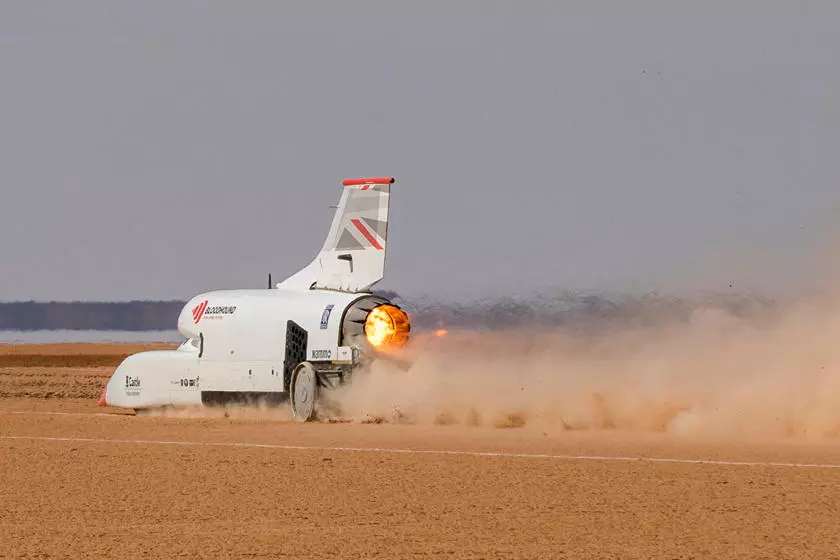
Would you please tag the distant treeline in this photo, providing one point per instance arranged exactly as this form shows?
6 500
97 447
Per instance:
581 311
90 315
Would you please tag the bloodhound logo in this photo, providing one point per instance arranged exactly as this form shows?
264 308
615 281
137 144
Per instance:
201 311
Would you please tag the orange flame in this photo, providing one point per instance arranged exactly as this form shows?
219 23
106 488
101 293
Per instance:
387 325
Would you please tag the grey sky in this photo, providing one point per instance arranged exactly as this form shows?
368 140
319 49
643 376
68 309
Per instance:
158 149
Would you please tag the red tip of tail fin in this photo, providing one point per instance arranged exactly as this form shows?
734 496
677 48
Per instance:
368 181
102 401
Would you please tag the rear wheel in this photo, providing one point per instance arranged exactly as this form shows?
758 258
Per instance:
303 392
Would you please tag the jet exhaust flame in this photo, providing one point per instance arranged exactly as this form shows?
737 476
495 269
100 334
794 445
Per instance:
387 325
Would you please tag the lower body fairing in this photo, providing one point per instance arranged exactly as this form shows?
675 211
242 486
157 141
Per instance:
154 379
175 378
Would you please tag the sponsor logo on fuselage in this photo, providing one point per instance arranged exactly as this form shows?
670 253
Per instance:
132 386
185 383
325 316
204 311
321 354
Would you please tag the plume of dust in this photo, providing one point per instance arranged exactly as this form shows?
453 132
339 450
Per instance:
714 374
233 411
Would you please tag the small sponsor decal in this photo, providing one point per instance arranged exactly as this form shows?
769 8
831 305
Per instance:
325 316
132 386
321 354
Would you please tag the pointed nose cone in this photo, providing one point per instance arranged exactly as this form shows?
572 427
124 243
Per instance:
102 400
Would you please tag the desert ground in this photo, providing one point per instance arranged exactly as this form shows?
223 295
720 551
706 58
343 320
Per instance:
81 481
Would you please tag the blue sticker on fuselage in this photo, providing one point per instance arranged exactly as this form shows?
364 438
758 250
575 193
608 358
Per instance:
325 316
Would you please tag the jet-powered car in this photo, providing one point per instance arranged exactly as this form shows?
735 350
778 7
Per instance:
290 342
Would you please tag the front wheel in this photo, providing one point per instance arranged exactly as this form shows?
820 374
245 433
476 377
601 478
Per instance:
303 392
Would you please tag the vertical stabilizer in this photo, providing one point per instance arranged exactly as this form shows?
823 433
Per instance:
353 256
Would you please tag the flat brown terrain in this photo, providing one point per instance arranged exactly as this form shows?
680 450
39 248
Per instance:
77 480
64 355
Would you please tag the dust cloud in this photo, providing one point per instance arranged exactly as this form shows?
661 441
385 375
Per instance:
233 412
711 372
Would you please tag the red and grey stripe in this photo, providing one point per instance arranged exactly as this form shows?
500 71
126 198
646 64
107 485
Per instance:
198 311
366 233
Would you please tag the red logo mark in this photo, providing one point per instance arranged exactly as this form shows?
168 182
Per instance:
198 311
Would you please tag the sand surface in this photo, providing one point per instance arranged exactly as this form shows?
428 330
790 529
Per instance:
78 480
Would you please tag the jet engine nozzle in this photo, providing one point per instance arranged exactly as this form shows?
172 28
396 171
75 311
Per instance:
376 321
387 326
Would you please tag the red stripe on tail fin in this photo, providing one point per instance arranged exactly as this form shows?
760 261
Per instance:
364 231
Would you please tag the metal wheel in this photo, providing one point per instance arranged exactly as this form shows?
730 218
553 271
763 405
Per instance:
303 392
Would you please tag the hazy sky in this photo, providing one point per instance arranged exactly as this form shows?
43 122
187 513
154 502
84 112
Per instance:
159 149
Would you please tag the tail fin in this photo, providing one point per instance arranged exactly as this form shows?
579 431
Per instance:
353 256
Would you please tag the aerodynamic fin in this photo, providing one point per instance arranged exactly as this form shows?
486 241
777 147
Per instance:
353 256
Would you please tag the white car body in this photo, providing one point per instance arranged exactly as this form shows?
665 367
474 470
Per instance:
249 342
